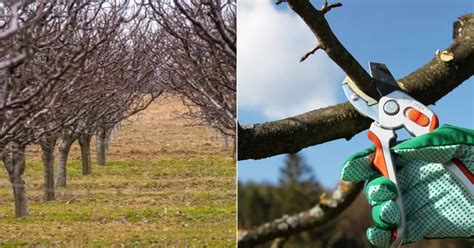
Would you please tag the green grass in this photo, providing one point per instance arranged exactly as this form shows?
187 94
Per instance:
132 203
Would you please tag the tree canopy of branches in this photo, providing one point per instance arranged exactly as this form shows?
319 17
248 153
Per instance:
73 69
198 56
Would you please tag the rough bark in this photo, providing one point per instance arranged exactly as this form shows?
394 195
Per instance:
2 149
64 148
14 161
327 209
102 145
290 135
225 140
47 146
85 144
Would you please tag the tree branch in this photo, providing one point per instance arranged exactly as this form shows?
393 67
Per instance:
332 46
327 7
279 242
327 209
427 84
312 51
13 22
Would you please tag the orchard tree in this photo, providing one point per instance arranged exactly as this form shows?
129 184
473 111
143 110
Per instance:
290 135
73 69
196 56
28 85
51 85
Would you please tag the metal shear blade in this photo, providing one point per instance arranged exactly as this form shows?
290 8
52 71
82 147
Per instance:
371 111
385 82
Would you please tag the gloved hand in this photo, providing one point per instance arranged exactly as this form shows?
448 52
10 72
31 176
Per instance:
436 204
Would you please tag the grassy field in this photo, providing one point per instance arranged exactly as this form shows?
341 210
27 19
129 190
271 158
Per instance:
167 183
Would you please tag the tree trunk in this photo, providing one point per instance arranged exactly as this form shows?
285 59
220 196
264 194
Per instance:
225 139
209 130
47 146
14 161
2 149
85 143
102 145
64 148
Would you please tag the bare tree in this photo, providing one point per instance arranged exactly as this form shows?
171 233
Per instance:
292 134
51 84
197 56
73 69
128 85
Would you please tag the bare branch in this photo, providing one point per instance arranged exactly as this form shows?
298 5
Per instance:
312 51
318 24
13 23
327 209
12 62
327 7
197 55
292 134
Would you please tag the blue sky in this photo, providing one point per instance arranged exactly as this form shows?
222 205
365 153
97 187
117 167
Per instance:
272 84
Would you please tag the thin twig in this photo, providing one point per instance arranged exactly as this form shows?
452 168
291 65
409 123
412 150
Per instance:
71 200
13 23
312 51
327 7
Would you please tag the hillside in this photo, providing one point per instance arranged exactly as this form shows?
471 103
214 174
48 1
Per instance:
168 181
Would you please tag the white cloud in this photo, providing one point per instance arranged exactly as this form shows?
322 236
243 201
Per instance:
270 78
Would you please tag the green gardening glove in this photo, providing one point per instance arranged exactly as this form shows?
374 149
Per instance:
436 204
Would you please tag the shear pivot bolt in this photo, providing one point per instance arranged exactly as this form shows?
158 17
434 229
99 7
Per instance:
391 107
354 97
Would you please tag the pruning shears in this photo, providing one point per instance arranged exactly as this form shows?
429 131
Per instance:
396 110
